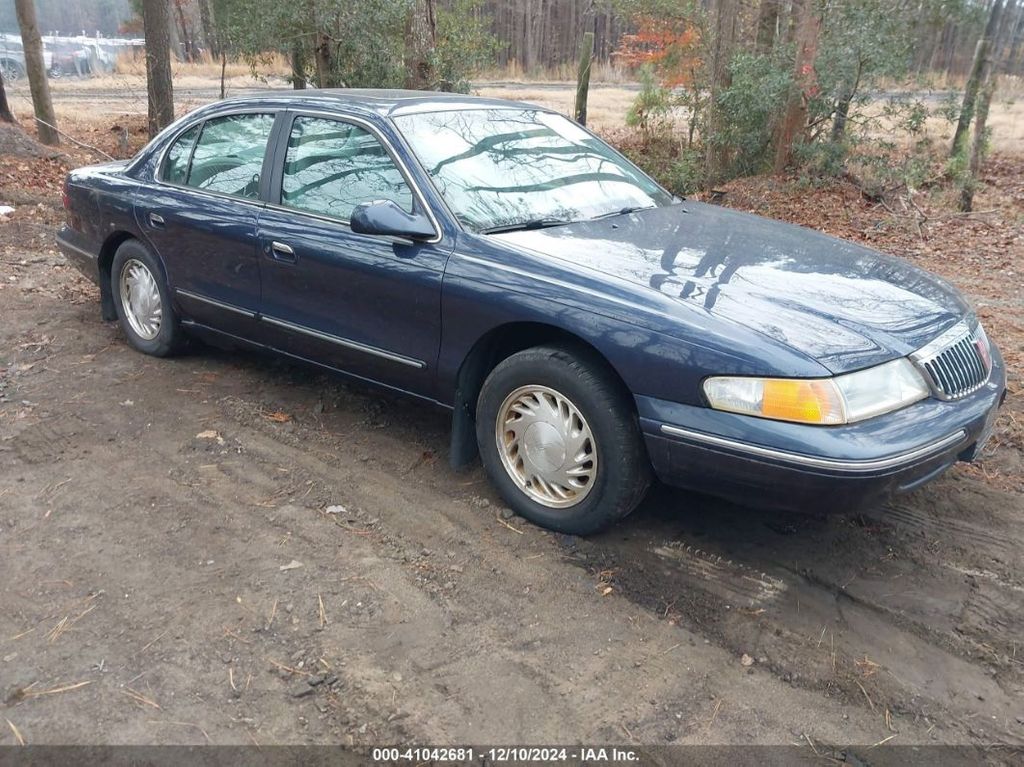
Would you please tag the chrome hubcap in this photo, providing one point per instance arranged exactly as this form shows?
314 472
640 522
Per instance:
140 298
546 446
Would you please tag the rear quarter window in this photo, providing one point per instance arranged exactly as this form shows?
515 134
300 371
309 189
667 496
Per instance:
175 169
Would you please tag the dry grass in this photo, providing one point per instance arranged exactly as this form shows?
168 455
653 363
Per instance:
124 93
273 64
600 72
1005 122
606 107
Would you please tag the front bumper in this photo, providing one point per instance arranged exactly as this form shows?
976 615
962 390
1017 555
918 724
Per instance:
758 462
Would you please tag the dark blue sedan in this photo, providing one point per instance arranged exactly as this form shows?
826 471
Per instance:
588 330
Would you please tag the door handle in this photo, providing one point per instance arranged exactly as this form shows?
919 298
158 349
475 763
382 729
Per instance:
281 252
156 220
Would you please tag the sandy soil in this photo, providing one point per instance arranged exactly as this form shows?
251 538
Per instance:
224 548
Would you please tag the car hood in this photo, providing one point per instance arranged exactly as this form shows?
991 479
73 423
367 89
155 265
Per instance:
841 304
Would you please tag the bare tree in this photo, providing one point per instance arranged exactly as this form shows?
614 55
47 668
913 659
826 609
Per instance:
5 108
156 24
979 71
35 66
807 30
420 38
986 90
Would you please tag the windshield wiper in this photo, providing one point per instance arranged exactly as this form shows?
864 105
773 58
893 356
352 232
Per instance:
623 211
533 223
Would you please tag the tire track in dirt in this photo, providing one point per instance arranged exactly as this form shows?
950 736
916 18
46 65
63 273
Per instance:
773 598
195 526
809 629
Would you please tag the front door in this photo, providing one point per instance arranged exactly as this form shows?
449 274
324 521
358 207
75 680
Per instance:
370 306
201 219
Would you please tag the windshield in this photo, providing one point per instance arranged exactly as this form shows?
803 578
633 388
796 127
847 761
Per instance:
504 168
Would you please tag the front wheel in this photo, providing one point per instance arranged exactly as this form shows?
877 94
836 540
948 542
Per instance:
560 440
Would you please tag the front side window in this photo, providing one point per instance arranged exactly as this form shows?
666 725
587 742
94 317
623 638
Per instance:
176 164
504 167
228 156
332 166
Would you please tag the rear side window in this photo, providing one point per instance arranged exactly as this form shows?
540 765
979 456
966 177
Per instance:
176 163
228 156
332 166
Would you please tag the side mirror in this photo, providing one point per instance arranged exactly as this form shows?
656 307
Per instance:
387 218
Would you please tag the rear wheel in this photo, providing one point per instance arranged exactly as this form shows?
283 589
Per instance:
143 301
560 440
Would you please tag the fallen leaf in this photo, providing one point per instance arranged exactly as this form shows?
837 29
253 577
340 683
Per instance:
293 565
278 417
17 735
211 434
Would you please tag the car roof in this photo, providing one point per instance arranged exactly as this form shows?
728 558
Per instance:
380 101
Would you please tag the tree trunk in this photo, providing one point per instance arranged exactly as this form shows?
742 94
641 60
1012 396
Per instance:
842 114
35 66
324 60
298 59
970 182
988 87
979 69
420 38
722 42
186 38
583 77
1017 39
794 120
5 108
156 24
767 24
210 36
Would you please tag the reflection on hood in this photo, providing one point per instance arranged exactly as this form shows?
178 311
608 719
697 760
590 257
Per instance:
840 303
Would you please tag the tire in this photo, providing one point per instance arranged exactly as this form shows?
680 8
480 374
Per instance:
574 415
11 70
135 265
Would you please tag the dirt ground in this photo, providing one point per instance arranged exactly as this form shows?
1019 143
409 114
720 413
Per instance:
222 548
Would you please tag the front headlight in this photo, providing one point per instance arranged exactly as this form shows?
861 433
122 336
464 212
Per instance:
825 401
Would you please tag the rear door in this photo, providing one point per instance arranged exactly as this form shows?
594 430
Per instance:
201 218
367 305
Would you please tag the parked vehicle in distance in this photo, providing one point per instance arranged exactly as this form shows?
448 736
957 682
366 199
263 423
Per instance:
12 58
12 64
587 329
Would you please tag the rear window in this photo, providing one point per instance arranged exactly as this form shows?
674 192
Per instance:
225 155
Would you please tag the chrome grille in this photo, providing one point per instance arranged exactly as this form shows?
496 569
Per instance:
955 364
